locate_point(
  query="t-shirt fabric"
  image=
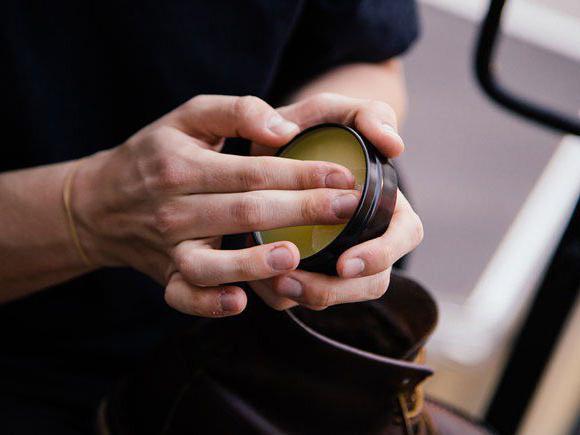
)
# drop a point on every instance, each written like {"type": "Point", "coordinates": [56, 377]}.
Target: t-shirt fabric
{"type": "Point", "coordinates": [79, 77]}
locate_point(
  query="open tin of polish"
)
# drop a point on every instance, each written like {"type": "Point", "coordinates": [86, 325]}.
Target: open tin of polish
{"type": "Point", "coordinates": [321, 245]}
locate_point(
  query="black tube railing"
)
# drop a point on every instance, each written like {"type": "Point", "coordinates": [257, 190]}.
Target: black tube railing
{"type": "Point", "coordinates": [484, 71]}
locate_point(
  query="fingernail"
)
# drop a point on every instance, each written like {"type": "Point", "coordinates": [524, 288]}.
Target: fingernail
{"type": "Point", "coordinates": [289, 287]}
{"type": "Point", "coordinates": [353, 267]}
{"type": "Point", "coordinates": [281, 258]}
{"type": "Point", "coordinates": [390, 130]}
{"type": "Point", "coordinates": [281, 127]}
{"type": "Point", "coordinates": [344, 206]}
{"type": "Point", "coordinates": [229, 302]}
{"type": "Point", "coordinates": [339, 180]}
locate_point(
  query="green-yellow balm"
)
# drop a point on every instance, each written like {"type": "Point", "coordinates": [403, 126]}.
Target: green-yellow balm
{"type": "Point", "coordinates": [330, 144]}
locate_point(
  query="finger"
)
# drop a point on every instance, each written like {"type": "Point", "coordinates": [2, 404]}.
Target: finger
{"type": "Point", "coordinates": [204, 215]}
{"type": "Point", "coordinates": [404, 233]}
{"type": "Point", "coordinates": [264, 289]}
{"type": "Point", "coordinates": [213, 117]}
{"type": "Point", "coordinates": [230, 173]}
{"type": "Point", "coordinates": [318, 290]}
{"type": "Point", "coordinates": [204, 301]}
{"type": "Point", "coordinates": [175, 165]}
{"type": "Point", "coordinates": [376, 120]}
{"type": "Point", "coordinates": [210, 267]}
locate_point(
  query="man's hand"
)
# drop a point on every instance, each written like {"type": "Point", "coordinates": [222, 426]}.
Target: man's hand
{"type": "Point", "coordinates": [161, 201]}
{"type": "Point", "coordinates": [364, 270]}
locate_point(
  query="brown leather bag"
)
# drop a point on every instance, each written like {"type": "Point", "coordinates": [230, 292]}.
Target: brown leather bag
{"type": "Point", "coordinates": [351, 369]}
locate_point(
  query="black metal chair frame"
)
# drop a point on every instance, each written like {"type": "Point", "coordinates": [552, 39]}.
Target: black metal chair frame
{"type": "Point", "coordinates": [559, 286]}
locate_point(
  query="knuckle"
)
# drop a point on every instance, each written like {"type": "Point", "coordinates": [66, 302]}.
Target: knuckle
{"type": "Point", "coordinates": [279, 304]}
{"type": "Point", "coordinates": [165, 219]}
{"type": "Point", "coordinates": [313, 175]}
{"type": "Point", "coordinates": [322, 298]}
{"type": "Point", "coordinates": [194, 104]}
{"type": "Point", "coordinates": [386, 256]}
{"type": "Point", "coordinates": [169, 296]}
{"type": "Point", "coordinates": [254, 177]}
{"type": "Point", "coordinates": [167, 175]}
{"type": "Point", "coordinates": [384, 109]}
{"type": "Point", "coordinates": [320, 101]}
{"type": "Point", "coordinates": [381, 255]}
{"type": "Point", "coordinates": [315, 307]}
{"type": "Point", "coordinates": [166, 172]}
{"type": "Point", "coordinates": [378, 287]}
{"type": "Point", "coordinates": [247, 105]}
{"type": "Point", "coordinates": [316, 206]}
{"type": "Point", "coordinates": [159, 135]}
{"type": "Point", "coordinates": [182, 262]}
{"type": "Point", "coordinates": [150, 142]}
{"type": "Point", "coordinates": [307, 209]}
{"type": "Point", "coordinates": [381, 107]}
{"type": "Point", "coordinates": [206, 180]}
{"type": "Point", "coordinates": [386, 282]}
{"type": "Point", "coordinates": [198, 99]}
{"type": "Point", "coordinates": [162, 140]}
{"type": "Point", "coordinates": [324, 98]}
{"type": "Point", "coordinates": [179, 302]}
{"type": "Point", "coordinates": [249, 112]}
{"type": "Point", "coordinates": [249, 212]}
{"type": "Point", "coordinates": [418, 230]}
{"type": "Point", "coordinates": [245, 266]}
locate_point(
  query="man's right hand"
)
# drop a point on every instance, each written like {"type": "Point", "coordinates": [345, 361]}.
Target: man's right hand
{"type": "Point", "coordinates": [161, 201]}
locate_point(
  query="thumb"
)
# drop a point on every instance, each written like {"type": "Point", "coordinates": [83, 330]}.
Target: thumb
{"type": "Point", "coordinates": [213, 117]}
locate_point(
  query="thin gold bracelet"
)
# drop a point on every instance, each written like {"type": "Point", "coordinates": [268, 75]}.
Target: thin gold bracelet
{"type": "Point", "coordinates": [66, 199]}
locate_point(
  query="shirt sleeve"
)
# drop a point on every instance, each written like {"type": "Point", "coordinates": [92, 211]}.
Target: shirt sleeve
{"type": "Point", "coordinates": [329, 33]}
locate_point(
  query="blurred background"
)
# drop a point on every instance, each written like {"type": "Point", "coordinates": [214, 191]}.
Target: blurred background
{"type": "Point", "coordinates": [495, 193]}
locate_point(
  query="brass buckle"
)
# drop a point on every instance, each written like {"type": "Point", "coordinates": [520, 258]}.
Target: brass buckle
{"type": "Point", "coordinates": [416, 399]}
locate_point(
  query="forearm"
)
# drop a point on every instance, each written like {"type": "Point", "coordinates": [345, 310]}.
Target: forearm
{"type": "Point", "coordinates": [383, 81]}
{"type": "Point", "coordinates": [36, 249]}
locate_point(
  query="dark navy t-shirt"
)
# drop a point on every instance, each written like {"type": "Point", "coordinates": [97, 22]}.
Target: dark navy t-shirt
{"type": "Point", "coordinates": [79, 77]}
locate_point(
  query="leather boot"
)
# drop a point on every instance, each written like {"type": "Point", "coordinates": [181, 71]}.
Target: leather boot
{"type": "Point", "coordinates": [351, 369]}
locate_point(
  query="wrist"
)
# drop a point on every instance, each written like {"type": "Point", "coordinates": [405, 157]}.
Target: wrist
{"type": "Point", "coordinates": [90, 195]}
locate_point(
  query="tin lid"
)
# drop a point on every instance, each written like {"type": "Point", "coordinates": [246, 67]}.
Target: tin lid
{"type": "Point", "coordinates": [373, 214]}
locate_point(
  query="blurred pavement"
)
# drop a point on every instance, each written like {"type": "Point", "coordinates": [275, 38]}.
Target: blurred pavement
{"type": "Point", "coordinates": [469, 165]}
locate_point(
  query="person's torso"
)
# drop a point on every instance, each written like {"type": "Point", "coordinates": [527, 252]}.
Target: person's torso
{"type": "Point", "coordinates": [79, 77]}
